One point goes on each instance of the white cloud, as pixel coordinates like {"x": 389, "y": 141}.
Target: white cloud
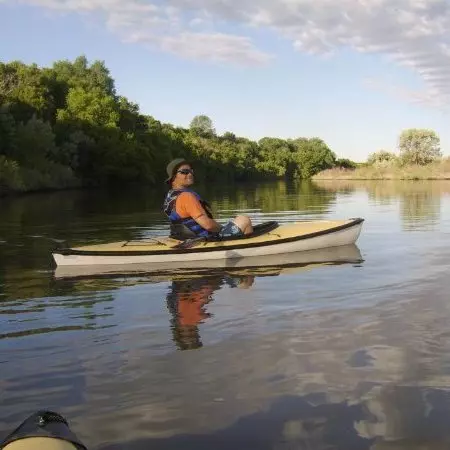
{"x": 216, "y": 47}
{"x": 168, "y": 28}
{"x": 412, "y": 33}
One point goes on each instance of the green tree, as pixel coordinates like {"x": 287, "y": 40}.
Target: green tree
{"x": 381, "y": 158}
{"x": 419, "y": 146}
{"x": 345, "y": 163}
{"x": 274, "y": 156}
{"x": 23, "y": 88}
{"x": 8, "y": 81}
{"x": 229, "y": 136}
{"x": 35, "y": 143}
{"x": 67, "y": 74}
{"x": 10, "y": 177}
{"x": 7, "y": 131}
{"x": 74, "y": 149}
{"x": 130, "y": 119}
{"x": 92, "y": 107}
{"x": 312, "y": 156}
{"x": 203, "y": 126}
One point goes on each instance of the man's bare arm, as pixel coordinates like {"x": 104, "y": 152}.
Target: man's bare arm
{"x": 207, "y": 223}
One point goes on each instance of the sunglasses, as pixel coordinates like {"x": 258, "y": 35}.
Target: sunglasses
{"x": 186, "y": 171}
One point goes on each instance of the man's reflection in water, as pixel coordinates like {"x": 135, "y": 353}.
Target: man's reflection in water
{"x": 187, "y": 300}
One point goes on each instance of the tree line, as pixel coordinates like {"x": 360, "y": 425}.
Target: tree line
{"x": 67, "y": 126}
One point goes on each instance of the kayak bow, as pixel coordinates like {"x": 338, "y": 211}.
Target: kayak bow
{"x": 43, "y": 430}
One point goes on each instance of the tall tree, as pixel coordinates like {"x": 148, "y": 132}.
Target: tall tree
{"x": 419, "y": 146}
{"x": 203, "y": 126}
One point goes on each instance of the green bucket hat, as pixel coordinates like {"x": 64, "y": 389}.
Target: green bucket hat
{"x": 173, "y": 166}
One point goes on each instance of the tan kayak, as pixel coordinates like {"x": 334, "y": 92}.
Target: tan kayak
{"x": 269, "y": 238}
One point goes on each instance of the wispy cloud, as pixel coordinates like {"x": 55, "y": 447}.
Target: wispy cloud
{"x": 412, "y": 33}
{"x": 430, "y": 96}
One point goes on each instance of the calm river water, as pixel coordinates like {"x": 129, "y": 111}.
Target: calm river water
{"x": 348, "y": 355}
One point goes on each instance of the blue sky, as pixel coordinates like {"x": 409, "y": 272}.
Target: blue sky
{"x": 353, "y": 72}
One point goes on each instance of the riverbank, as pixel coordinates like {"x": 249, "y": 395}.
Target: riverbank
{"x": 434, "y": 171}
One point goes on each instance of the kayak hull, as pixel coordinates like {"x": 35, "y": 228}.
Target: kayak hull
{"x": 290, "y": 238}
{"x": 282, "y": 263}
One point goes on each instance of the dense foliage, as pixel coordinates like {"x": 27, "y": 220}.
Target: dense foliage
{"x": 66, "y": 126}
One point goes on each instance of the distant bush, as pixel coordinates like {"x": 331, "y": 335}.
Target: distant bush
{"x": 433, "y": 171}
{"x": 382, "y": 158}
{"x": 345, "y": 163}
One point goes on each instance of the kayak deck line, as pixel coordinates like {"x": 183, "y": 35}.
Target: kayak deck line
{"x": 282, "y": 234}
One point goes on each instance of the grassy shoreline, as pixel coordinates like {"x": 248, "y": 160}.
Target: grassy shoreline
{"x": 435, "y": 171}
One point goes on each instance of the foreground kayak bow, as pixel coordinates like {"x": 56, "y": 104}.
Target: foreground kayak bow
{"x": 42, "y": 430}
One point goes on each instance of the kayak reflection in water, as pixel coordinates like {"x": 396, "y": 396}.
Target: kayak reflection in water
{"x": 186, "y": 302}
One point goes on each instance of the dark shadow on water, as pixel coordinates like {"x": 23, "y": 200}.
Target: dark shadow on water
{"x": 390, "y": 417}
{"x": 291, "y": 422}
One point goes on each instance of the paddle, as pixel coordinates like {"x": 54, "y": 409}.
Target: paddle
{"x": 189, "y": 243}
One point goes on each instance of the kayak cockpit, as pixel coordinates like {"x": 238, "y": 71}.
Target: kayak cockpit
{"x": 182, "y": 232}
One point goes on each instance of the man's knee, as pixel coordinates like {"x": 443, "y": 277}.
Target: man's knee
{"x": 242, "y": 220}
{"x": 244, "y": 223}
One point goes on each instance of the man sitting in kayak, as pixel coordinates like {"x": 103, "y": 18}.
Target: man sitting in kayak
{"x": 190, "y": 216}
